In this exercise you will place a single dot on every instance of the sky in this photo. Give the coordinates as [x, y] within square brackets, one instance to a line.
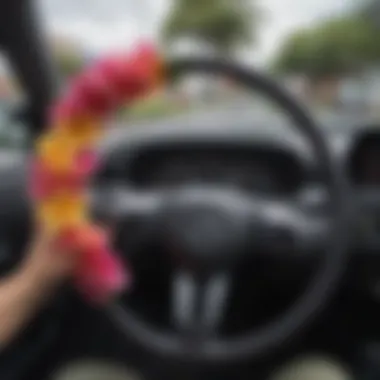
[102, 25]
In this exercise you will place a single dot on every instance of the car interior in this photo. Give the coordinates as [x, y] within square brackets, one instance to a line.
[248, 247]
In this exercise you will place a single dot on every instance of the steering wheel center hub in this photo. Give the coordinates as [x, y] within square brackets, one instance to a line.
[203, 228]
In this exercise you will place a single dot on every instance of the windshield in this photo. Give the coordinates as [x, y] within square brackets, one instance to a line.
[332, 89]
[324, 54]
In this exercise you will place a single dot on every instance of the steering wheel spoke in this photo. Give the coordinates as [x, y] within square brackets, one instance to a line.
[198, 303]
[280, 225]
[123, 203]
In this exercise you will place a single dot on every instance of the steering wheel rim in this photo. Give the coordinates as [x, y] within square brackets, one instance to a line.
[320, 289]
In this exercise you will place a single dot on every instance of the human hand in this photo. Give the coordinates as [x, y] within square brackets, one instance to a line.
[46, 262]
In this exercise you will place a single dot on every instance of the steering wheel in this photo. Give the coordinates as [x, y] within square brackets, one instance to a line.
[212, 225]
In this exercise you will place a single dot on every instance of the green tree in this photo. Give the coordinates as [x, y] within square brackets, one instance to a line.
[333, 47]
[223, 25]
[296, 53]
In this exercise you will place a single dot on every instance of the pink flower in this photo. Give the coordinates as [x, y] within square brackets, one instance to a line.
[86, 239]
[93, 92]
[126, 80]
[45, 183]
[71, 107]
[101, 276]
[129, 76]
[86, 162]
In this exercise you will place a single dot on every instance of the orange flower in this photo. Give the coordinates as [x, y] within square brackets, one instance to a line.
[83, 132]
[56, 151]
[63, 211]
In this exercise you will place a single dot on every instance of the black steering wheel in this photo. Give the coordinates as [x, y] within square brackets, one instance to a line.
[213, 224]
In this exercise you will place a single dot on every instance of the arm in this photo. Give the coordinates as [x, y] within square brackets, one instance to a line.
[23, 293]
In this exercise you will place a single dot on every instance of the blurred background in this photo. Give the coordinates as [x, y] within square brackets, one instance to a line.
[325, 52]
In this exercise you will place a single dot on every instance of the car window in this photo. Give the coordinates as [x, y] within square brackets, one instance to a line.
[13, 132]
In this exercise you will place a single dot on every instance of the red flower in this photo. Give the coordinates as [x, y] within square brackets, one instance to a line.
[86, 162]
[45, 183]
[112, 80]
[86, 239]
[101, 275]
[127, 80]
[130, 76]
[94, 93]
[71, 107]
[147, 58]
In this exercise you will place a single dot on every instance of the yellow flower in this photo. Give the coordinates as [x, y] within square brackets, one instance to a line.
[56, 151]
[62, 211]
[82, 132]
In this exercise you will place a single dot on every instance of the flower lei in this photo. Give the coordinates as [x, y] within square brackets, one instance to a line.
[65, 160]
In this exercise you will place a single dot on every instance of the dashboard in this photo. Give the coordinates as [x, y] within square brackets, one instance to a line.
[271, 161]
[273, 164]
[266, 164]
[266, 171]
